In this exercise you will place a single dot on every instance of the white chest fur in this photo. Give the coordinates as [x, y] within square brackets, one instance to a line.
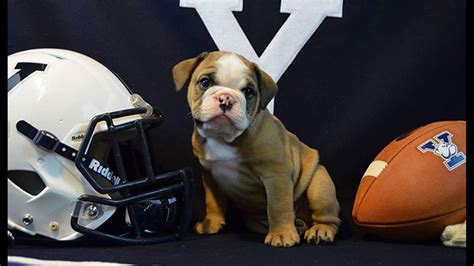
[216, 150]
[222, 160]
[225, 164]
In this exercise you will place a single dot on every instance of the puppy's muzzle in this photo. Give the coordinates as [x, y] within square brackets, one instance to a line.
[226, 101]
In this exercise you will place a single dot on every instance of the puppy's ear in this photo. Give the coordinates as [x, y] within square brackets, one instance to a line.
[183, 70]
[267, 87]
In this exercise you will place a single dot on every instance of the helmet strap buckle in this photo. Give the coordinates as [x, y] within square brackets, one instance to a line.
[46, 140]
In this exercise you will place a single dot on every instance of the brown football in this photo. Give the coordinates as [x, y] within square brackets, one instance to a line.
[416, 185]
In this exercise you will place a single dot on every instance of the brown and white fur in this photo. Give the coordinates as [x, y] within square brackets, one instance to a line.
[248, 157]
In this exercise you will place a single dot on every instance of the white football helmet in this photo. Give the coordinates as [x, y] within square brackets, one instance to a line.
[78, 155]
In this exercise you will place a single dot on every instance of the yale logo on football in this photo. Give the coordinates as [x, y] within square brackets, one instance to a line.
[443, 146]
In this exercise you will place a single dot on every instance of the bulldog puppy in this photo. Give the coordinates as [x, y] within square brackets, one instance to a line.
[249, 157]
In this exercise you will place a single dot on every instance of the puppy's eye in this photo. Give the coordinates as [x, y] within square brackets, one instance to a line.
[205, 83]
[248, 92]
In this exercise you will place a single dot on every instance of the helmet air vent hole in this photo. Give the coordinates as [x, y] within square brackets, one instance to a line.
[29, 181]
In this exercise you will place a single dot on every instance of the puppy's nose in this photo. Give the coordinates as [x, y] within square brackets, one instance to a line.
[226, 102]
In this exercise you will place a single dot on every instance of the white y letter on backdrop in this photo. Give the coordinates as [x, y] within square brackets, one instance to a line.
[305, 17]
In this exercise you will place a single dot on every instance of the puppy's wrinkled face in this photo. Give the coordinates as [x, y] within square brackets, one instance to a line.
[225, 93]
[224, 98]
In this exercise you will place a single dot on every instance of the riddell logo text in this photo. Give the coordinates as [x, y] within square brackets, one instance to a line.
[77, 137]
[104, 171]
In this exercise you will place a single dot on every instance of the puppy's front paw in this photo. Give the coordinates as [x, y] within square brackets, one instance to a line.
[287, 237]
[320, 234]
[209, 226]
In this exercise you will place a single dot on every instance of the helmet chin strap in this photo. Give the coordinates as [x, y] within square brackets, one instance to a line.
[49, 142]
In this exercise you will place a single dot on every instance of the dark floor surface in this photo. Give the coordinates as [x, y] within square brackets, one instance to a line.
[248, 249]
